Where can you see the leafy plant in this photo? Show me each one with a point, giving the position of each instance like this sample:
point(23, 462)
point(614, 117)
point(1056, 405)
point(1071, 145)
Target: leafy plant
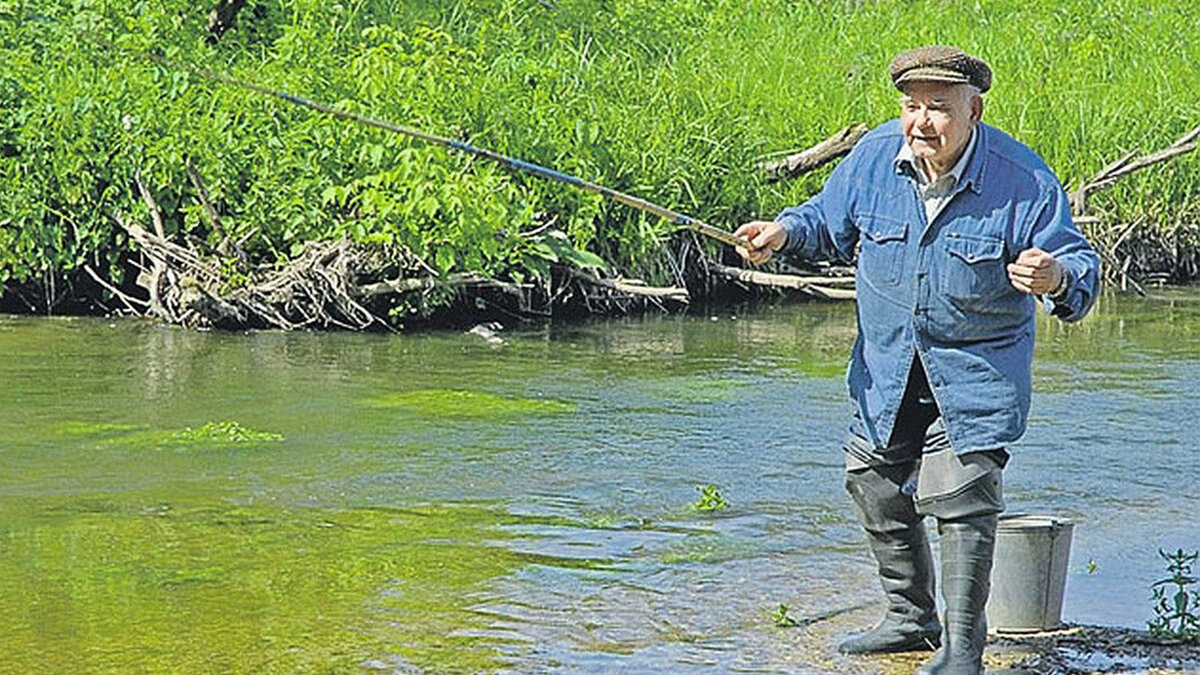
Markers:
point(1176, 607)
point(782, 619)
point(711, 499)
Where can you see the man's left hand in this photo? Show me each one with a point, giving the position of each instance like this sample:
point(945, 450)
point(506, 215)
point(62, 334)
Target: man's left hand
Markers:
point(1035, 272)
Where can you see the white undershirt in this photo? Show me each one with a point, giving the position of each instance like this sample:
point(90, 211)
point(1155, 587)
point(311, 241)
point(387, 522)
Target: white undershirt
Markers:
point(936, 194)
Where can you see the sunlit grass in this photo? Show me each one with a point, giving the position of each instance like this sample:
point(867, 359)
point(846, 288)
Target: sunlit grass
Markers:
point(673, 102)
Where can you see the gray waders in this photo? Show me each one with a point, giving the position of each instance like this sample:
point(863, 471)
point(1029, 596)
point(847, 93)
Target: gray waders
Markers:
point(898, 542)
point(894, 489)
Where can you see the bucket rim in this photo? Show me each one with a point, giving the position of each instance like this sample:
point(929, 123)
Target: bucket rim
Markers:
point(1032, 521)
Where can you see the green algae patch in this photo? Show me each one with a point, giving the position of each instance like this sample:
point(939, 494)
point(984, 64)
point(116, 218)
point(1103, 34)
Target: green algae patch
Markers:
point(224, 432)
point(249, 588)
point(74, 429)
point(695, 391)
point(464, 404)
point(209, 435)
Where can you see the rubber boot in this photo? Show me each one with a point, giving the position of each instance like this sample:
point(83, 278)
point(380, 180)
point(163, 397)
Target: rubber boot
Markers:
point(898, 542)
point(967, 547)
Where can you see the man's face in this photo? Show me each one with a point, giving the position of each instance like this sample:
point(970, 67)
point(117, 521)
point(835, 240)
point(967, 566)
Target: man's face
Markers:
point(937, 120)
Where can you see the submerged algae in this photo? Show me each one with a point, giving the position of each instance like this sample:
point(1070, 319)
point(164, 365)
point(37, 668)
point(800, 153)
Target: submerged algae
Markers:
point(140, 436)
point(246, 588)
point(458, 403)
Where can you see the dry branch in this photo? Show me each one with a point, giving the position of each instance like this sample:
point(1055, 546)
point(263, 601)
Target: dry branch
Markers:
point(633, 287)
point(1127, 165)
point(827, 150)
point(1116, 268)
point(420, 284)
point(125, 299)
point(804, 284)
point(153, 281)
point(214, 218)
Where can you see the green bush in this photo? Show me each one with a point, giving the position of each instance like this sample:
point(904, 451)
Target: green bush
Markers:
point(672, 102)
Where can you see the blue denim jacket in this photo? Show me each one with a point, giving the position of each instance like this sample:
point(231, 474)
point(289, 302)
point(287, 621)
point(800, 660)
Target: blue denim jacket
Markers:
point(941, 289)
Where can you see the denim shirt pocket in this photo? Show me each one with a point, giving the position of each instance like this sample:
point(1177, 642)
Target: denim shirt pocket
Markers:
point(975, 268)
point(881, 256)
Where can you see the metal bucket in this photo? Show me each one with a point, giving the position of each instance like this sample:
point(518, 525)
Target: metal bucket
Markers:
point(1029, 573)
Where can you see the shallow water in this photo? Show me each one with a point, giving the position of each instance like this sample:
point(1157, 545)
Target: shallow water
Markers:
point(439, 504)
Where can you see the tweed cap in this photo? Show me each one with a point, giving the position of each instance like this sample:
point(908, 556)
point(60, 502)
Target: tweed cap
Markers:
point(938, 63)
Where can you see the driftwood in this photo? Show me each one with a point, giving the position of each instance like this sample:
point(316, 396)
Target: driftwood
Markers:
point(826, 151)
point(635, 287)
point(1108, 240)
point(330, 284)
point(315, 289)
point(819, 287)
point(420, 284)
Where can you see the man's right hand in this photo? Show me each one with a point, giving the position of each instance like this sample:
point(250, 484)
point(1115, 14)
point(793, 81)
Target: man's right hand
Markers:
point(765, 239)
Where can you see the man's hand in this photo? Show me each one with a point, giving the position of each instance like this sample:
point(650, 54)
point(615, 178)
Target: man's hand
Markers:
point(765, 239)
point(1035, 272)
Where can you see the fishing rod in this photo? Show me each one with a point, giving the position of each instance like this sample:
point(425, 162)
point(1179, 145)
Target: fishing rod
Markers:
point(678, 219)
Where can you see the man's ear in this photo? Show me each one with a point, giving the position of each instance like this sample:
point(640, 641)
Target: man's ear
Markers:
point(976, 108)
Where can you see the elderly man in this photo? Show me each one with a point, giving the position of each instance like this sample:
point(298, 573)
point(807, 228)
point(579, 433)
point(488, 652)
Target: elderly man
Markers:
point(957, 228)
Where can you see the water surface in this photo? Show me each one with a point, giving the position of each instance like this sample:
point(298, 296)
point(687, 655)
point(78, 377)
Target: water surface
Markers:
point(435, 503)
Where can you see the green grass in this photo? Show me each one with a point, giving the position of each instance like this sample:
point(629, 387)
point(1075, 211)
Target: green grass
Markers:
point(672, 102)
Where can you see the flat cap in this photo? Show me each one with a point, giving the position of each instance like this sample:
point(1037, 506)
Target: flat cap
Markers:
point(937, 63)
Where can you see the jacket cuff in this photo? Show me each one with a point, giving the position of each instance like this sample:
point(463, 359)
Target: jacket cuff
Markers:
point(792, 225)
point(1065, 304)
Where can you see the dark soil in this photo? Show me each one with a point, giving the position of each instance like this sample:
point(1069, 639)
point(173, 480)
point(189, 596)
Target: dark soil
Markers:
point(1079, 650)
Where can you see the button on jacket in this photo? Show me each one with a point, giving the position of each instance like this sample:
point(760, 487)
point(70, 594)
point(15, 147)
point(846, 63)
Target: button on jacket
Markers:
point(940, 289)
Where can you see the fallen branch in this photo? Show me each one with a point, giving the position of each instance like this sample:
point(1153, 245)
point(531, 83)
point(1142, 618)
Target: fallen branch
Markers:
point(1116, 269)
point(633, 287)
point(153, 283)
point(1127, 165)
point(827, 150)
point(125, 298)
point(803, 284)
point(420, 284)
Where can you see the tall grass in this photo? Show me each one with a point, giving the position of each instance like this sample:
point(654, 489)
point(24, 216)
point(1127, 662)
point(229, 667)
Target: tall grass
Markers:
point(672, 101)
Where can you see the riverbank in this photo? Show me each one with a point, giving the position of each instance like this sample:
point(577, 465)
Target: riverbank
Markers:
point(1091, 650)
point(674, 106)
point(1073, 649)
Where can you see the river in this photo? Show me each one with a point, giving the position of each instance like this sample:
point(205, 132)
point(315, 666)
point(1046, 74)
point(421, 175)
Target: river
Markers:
point(265, 502)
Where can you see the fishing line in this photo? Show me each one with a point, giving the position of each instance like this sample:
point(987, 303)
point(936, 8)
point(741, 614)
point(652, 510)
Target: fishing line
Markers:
point(678, 219)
